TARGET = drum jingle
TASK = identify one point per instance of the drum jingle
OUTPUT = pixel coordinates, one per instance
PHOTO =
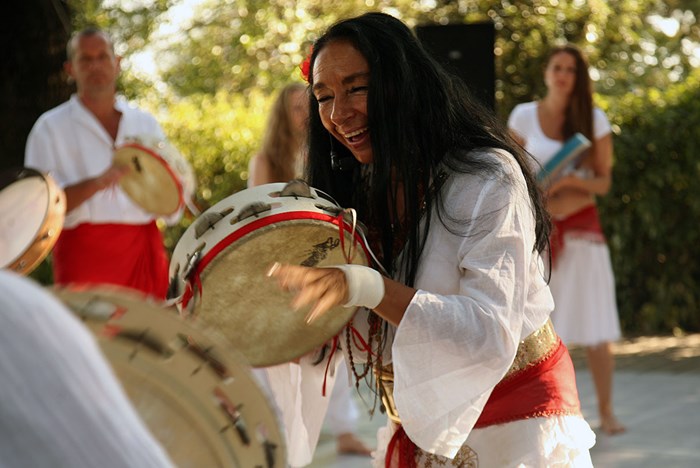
(161, 180)
(218, 268)
(193, 391)
(33, 209)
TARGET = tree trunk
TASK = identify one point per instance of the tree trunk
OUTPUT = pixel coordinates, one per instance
(34, 34)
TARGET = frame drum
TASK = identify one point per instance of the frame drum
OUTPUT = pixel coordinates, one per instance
(219, 265)
(193, 391)
(32, 208)
(160, 181)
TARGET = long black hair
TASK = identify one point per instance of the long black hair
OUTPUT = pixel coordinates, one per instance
(420, 118)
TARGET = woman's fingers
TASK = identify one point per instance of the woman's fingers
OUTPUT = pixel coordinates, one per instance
(322, 288)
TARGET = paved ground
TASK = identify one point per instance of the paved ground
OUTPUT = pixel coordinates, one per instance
(657, 396)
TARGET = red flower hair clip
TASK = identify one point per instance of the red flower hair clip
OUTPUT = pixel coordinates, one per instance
(306, 65)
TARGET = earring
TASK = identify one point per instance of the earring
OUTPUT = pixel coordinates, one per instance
(341, 164)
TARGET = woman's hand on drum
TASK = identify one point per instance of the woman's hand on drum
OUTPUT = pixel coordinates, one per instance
(322, 288)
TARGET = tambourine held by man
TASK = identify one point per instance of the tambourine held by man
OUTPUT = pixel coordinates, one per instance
(161, 180)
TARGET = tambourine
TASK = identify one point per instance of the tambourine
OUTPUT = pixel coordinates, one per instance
(218, 268)
(161, 180)
(33, 209)
(194, 392)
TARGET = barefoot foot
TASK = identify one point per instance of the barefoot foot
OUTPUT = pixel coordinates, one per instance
(611, 426)
(350, 444)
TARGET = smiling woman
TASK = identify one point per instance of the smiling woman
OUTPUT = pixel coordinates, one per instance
(454, 315)
(341, 82)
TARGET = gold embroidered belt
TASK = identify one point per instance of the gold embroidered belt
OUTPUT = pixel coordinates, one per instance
(532, 350)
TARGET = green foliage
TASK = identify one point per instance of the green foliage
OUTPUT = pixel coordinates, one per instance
(246, 44)
(651, 215)
(249, 44)
(129, 23)
(217, 134)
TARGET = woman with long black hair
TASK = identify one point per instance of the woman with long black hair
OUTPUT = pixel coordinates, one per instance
(456, 323)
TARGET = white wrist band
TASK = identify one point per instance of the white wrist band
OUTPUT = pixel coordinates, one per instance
(365, 286)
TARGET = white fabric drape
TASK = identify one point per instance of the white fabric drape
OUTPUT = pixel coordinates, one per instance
(61, 403)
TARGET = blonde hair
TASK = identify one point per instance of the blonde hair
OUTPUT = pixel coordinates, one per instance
(281, 143)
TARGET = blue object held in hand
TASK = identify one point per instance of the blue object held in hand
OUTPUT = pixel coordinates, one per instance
(567, 157)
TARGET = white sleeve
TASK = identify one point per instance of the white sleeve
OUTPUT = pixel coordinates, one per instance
(601, 125)
(518, 121)
(61, 402)
(39, 152)
(297, 390)
(451, 349)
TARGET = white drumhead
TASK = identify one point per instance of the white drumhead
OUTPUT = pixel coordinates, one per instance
(23, 207)
(250, 309)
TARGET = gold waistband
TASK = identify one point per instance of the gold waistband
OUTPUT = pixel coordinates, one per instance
(537, 346)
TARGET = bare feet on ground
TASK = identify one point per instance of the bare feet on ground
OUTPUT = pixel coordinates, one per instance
(611, 426)
(350, 444)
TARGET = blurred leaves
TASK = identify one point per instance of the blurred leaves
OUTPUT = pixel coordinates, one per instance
(217, 134)
(651, 215)
(248, 44)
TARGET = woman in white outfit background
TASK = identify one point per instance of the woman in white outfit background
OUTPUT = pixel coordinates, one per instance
(582, 281)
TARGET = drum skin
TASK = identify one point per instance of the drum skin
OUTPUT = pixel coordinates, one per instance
(160, 180)
(194, 392)
(219, 265)
(33, 209)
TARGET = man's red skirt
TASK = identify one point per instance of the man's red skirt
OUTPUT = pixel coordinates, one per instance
(121, 254)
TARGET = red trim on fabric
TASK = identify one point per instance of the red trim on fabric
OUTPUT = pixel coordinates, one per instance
(260, 223)
(543, 389)
(159, 158)
(130, 255)
(585, 220)
(118, 312)
(404, 448)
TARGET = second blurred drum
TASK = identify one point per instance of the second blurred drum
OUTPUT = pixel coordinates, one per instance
(194, 392)
(32, 209)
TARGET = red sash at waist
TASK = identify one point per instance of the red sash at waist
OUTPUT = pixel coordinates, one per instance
(585, 221)
(546, 388)
(543, 389)
(121, 254)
